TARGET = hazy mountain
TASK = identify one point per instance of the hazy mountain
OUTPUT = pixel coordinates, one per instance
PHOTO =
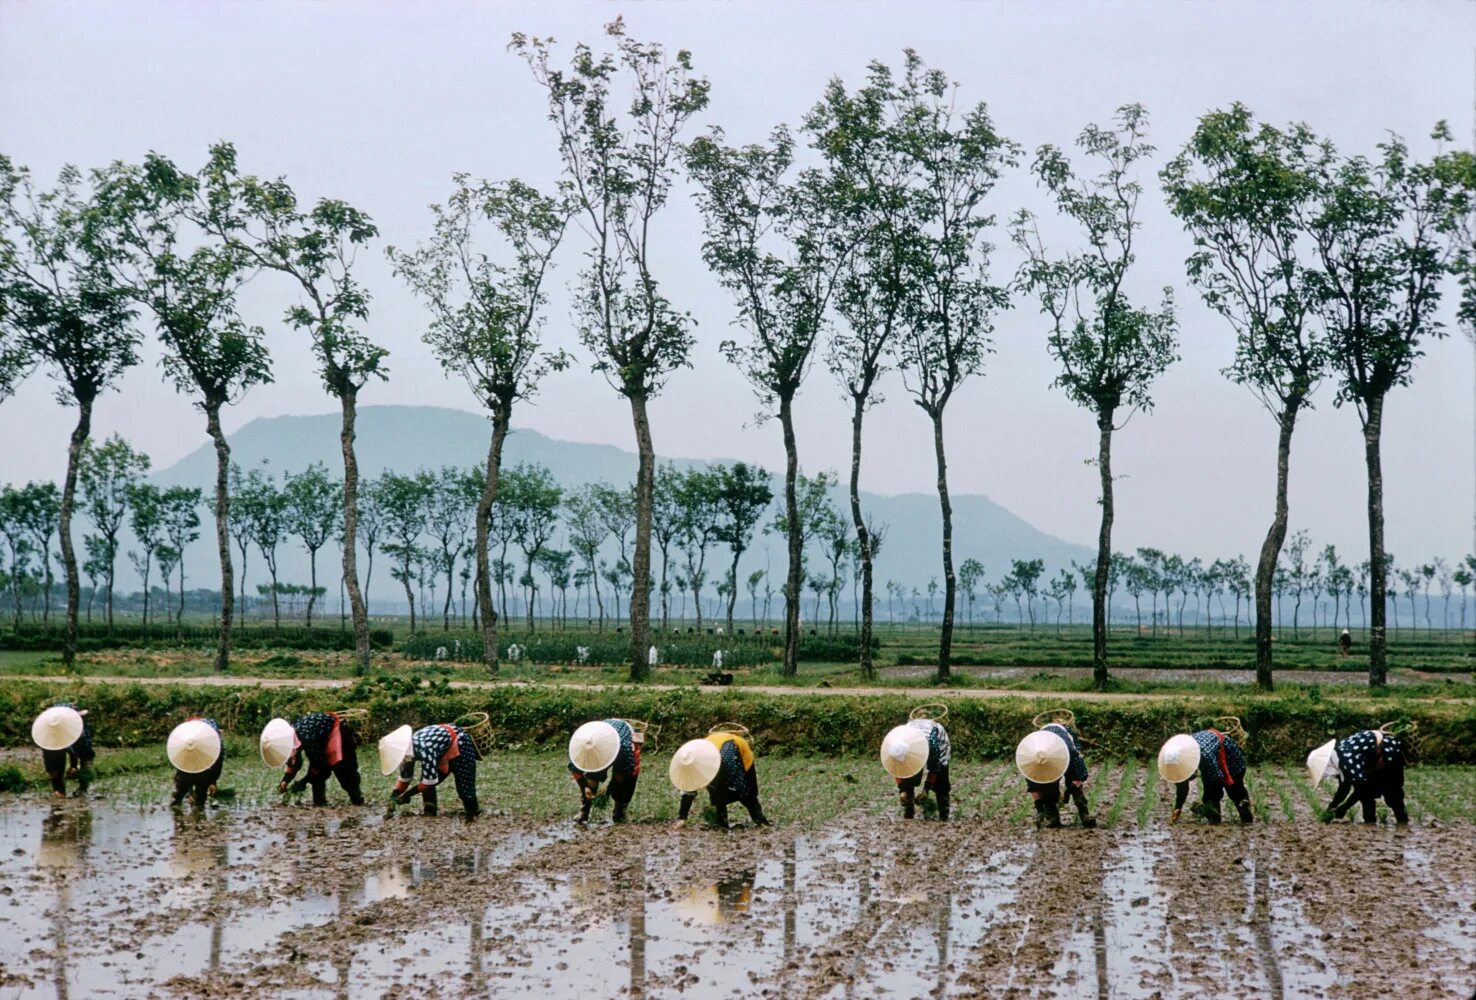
(406, 438)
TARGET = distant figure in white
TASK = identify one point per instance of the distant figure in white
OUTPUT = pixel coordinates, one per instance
(717, 659)
(652, 657)
(515, 652)
(441, 652)
(583, 652)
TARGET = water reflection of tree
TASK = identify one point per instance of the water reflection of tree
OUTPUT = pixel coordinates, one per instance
(635, 909)
(66, 833)
(198, 857)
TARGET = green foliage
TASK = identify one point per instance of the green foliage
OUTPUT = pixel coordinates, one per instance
(34, 637)
(12, 779)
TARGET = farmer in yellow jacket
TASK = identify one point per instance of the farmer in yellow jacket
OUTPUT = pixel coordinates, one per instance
(723, 764)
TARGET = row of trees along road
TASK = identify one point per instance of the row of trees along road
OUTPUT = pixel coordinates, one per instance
(861, 238)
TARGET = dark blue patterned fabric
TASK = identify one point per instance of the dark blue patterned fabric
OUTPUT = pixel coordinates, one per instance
(1209, 757)
(1076, 768)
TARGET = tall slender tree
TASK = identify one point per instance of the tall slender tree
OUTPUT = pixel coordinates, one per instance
(619, 161)
(532, 500)
(39, 508)
(1109, 350)
(179, 508)
(1379, 227)
(957, 157)
(312, 504)
(63, 310)
(1238, 191)
(743, 497)
(487, 322)
(778, 243)
(314, 249)
(187, 281)
(402, 498)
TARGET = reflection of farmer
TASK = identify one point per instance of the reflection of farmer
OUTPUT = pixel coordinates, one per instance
(194, 749)
(442, 750)
(1049, 766)
(916, 755)
(1220, 764)
(723, 764)
(66, 746)
(600, 750)
(1345, 643)
(1369, 765)
(328, 746)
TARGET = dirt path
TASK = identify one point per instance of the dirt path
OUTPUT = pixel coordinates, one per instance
(330, 683)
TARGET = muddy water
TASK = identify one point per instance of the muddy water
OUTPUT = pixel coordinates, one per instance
(98, 899)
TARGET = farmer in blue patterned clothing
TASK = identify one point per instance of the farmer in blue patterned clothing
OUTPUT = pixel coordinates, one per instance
(329, 748)
(1370, 766)
(591, 763)
(66, 747)
(736, 781)
(934, 774)
(442, 750)
(1048, 796)
(1220, 764)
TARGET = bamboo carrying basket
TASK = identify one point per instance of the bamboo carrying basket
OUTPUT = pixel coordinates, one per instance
(355, 719)
(1404, 729)
(477, 725)
(935, 710)
(735, 728)
(644, 733)
(1231, 727)
(1059, 716)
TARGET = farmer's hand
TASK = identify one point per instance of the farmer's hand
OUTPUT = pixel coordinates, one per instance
(1174, 816)
(211, 791)
(589, 794)
(282, 786)
(71, 772)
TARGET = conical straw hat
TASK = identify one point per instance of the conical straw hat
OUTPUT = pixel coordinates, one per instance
(904, 751)
(1179, 759)
(193, 746)
(594, 746)
(57, 728)
(1042, 757)
(694, 765)
(278, 740)
(393, 749)
(1323, 762)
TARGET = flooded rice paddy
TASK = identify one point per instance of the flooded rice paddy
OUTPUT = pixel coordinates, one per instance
(118, 896)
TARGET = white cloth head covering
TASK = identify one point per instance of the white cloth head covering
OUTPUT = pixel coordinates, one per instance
(1323, 762)
(278, 740)
(57, 728)
(1178, 760)
(594, 746)
(904, 751)
(694, 765)
(393, 749)
(1042, 757)
(193, 746)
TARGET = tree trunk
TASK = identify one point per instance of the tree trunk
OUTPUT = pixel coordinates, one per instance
(950, 582)
(531, 589)
(1271, 547)
(112, 577)
(276, 605)
(794, 578)
(222, 536)
(501, 412)
(1104, 550)
(348, 399)
(1378, 666)
(80, 434)
(409, 593)
(450, 589)
(733, 590)
(640, 570)
(312, 584)
(863, 536)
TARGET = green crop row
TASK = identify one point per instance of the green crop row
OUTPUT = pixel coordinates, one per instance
(1282, 728)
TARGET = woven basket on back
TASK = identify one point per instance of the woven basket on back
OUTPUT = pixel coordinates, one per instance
(477, 725)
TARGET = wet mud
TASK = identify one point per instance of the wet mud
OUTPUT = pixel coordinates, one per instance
(103, 899)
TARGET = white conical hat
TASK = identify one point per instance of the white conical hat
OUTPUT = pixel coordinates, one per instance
(393, 749)
(594, 746)
(1323, 762)
(1042, 757)
(57, 728)
(278, 740)
(904, 751)
(694, 765)
(1179, 759)
(193, 746)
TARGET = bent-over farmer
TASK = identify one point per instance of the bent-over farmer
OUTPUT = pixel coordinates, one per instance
(442, 750)
(195, 750)
(916, 755)
(325, 743)
(66, 747)
(1051, 774)
(1220, 764)
(723, 764)
(605, 750)
(1369, 765)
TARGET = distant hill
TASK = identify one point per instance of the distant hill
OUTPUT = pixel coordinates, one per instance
(406, 438)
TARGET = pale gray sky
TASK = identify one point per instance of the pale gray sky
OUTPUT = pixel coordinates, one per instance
(379, 103)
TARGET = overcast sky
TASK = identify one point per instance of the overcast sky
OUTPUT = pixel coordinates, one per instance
(379, 103)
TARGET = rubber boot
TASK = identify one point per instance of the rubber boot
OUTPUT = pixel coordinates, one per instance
(1244, 808)
(432, 806)
(584, 805)
(617, 815)
(721, 815)
(756, 813)
(943, 805)
(471, 808)
(320, 793)
(909, 804)
(84, 778)
(1082, 809)
(1047, 814)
